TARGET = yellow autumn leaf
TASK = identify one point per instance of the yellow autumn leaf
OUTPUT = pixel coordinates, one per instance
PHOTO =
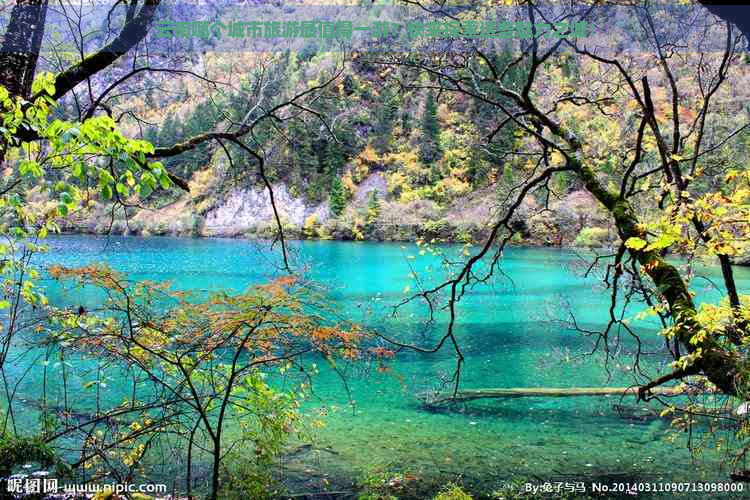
(635, 243)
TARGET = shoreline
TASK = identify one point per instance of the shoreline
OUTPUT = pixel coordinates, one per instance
(524, 243)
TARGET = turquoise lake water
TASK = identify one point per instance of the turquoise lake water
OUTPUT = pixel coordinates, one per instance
(510, 332)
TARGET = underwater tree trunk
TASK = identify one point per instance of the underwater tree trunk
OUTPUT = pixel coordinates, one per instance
(544, 392)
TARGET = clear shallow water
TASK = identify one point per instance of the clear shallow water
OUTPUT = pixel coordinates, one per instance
(509, 335)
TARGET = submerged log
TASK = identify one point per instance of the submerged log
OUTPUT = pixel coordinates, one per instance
(432, 398)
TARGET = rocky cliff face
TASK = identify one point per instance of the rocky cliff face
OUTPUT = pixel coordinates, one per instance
(248, 210)
(373, 183)
(237, 212)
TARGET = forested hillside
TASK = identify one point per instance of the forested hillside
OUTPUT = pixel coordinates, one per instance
(375, 161)
(372, 161)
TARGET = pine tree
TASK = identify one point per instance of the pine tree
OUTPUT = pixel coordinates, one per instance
(477, 169)
(386, 111)
(436, 174)
(373, 207)
(429, 150)
(151, 134)
(200, 120)
(303, 158)
(337, 201)
(405, 124)
(334, 160)
(168, 133)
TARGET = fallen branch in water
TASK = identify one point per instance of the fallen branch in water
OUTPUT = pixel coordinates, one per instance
(432, 398)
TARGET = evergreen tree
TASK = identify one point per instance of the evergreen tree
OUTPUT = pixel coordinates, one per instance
(436, 174)
(386, 111)
(151, 134)
(303, 159)
(337, 201)
(333, 161)
(200, 120)
(429, 150)
(373, 207)
(168, 133)
(406, 124)
(477, 169)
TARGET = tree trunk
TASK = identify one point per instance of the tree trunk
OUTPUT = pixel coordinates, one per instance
(189, 465)
(718, 365)
(20, 49)
(215, 470)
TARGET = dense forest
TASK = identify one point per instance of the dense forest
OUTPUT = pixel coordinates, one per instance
(398, 164)
(436, 362)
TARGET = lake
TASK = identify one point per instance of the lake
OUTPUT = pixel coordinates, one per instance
(512, 334)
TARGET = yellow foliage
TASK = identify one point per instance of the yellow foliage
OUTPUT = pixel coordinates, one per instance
(397, 183)
(357, 224)
(368, 155)
(310, 228)
(347, 181)
(450, 187)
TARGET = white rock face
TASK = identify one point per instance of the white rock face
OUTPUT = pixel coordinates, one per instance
(244, 209)
(373, 182)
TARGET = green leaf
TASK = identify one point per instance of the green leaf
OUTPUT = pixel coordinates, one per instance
(165, 182)
(156, 168)
(77, 170)
(129, 178)
(147, 178)
(105, 178)
(635, 243)
(143, 190)
(661, 242)
(30, 167)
